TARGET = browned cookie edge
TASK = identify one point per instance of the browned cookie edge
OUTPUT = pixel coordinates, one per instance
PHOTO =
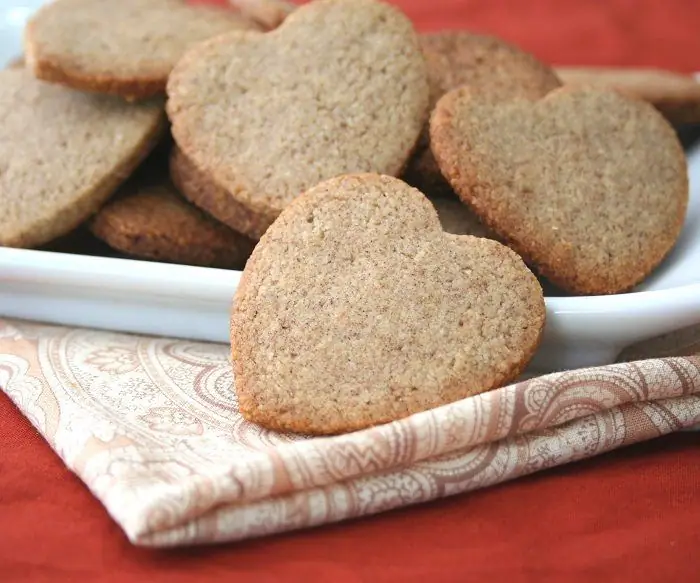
(130, 224)
(247, 401)
(82, 210)
(52, 71)
(464, 181)
(203, 192)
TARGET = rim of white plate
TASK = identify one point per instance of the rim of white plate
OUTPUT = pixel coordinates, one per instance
(152, 279)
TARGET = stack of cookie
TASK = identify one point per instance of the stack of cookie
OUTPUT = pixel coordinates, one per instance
(298, 144)
(84, 110)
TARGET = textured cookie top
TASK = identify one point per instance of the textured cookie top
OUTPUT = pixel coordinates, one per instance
(586, 184)
(457, 58)
(127, 47)
(339, 87)
(63, 153)
(356, 309)
(154, 222)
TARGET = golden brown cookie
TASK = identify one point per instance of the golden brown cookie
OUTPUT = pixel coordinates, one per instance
(155, 223)
(204, 193)
(357, 309)
(588, 185)
(339, 87)
(63, 154)
(126, 48)
(675, 95)
(484, 63)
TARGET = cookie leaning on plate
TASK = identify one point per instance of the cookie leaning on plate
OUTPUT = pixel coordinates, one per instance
(126, 48)
(339, 87)
(587, 185)
(155, 223)
(63, 154)
(485, 63)
(356, 309)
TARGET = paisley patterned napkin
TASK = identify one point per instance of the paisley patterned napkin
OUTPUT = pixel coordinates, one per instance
(151, 426)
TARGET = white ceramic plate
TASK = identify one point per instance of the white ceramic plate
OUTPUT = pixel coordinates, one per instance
(193, 302)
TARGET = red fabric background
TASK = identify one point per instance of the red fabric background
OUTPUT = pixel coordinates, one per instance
(628, 516)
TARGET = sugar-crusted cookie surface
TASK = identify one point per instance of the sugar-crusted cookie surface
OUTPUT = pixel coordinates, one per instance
(339, 87)
(586, 184)
(357, 309)
(123, 47)
(63, 154)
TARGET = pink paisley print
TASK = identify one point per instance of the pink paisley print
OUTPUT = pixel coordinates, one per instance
(152, 427)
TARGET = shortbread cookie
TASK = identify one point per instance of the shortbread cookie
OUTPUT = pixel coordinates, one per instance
(339, 87)
(155, 223)
(458, 219)
(357, 309)
(588, 185)
(124, 47)
(675, 95)
(484, 63)
(204, 193)
(63, 154)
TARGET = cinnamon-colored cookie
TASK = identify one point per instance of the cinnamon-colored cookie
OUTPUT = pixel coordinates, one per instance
(588, 185)
(200, 190)
(124, 47)
(63, 153)
(155, 223)
(339, 87)
(675, 95)
(356, 309)
(484, 63)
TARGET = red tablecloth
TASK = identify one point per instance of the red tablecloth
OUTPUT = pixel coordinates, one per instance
(628, 516)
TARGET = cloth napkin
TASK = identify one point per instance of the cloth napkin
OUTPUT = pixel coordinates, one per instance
(151, 427)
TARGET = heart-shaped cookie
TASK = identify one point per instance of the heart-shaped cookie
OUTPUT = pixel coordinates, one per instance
(357, 309)
(63, 153)
(339, 87)
(484, 63)
(126, 48)
(588, 185)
